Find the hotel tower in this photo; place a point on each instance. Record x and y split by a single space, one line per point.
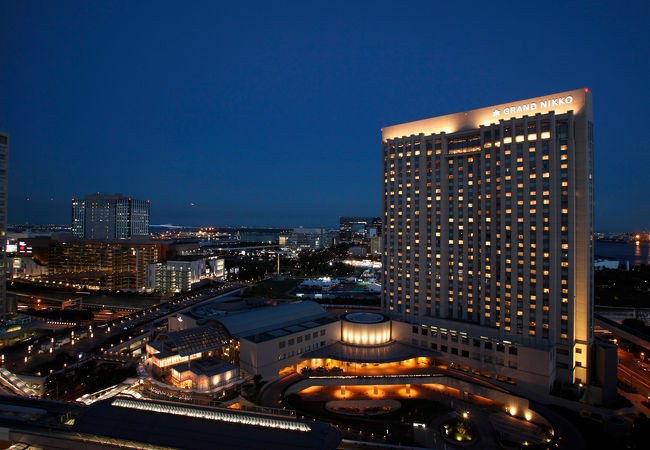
487 227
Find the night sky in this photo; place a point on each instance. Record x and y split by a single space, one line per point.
270 113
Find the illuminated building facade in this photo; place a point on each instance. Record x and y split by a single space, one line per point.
102 265
488 218
109 216
204 374
184 346
4 161
175 276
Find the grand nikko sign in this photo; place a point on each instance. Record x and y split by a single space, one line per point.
559 103
532 106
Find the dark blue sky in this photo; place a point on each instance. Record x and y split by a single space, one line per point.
269 113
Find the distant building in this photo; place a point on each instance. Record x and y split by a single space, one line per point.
358 250
359 229
600 264
111 265
4 161
109 216
179 275
307 239
375 245
174 276
26 267
216 268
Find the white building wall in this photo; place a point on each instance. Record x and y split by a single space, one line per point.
269 357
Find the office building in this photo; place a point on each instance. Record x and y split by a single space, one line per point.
307 239
110 265
359 229
175 276
109 216
488 217
4 167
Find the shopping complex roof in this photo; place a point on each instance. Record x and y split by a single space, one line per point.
271 318
191 341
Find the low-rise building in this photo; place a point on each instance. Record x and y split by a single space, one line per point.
170 349
272 340
204 374
179 275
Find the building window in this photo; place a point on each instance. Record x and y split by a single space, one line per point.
454 351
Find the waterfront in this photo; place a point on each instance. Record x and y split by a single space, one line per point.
623 252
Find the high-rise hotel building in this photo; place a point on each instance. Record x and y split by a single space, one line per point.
488 220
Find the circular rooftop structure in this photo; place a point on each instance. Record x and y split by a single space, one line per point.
365 317
366 329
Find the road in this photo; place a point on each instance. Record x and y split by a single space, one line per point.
632 372
132 325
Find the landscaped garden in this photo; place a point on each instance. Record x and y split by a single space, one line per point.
459 430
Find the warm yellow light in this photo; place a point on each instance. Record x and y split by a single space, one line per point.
528 415
513 411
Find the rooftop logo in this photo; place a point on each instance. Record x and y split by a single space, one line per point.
527 107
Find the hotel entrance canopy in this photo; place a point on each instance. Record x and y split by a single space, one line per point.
379 354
